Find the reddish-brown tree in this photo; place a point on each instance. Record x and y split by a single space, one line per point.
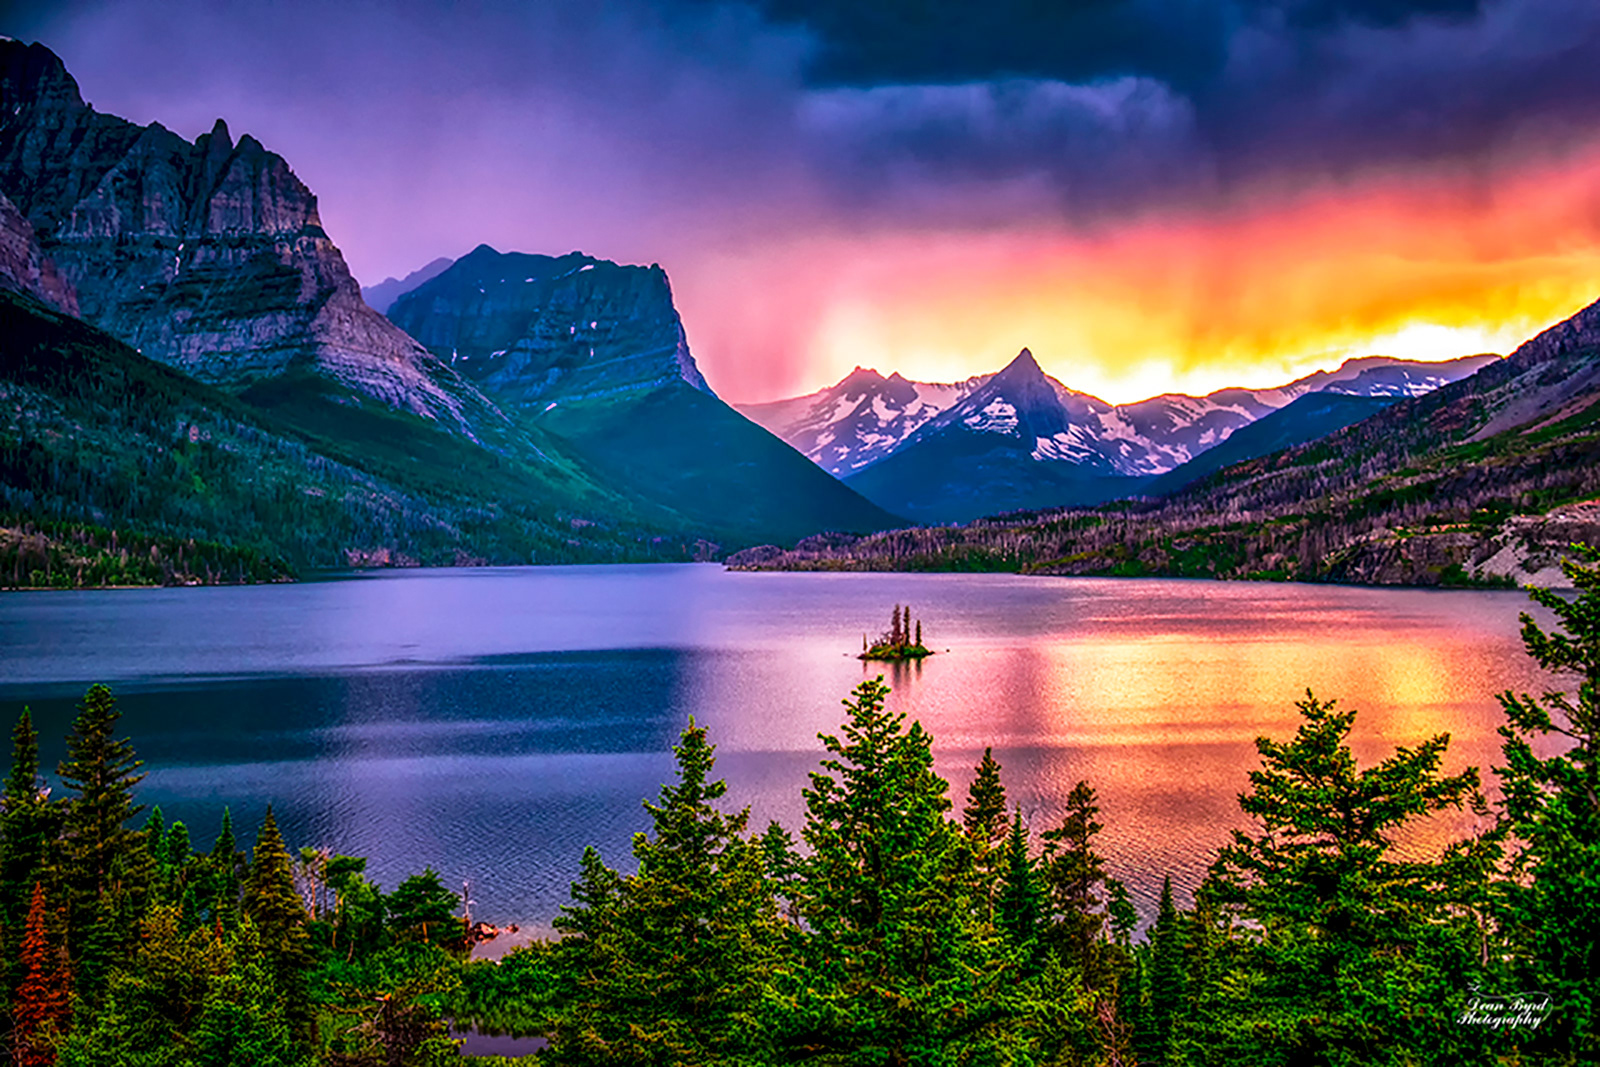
44 1000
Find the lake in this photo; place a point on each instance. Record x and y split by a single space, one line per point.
492 722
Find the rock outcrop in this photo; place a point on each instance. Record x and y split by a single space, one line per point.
209 256
533 330
25 268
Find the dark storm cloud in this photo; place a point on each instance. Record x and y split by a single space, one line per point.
621 125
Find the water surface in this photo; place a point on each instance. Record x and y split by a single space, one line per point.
491 723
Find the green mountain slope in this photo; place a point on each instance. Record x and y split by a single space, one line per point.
594 354
91 431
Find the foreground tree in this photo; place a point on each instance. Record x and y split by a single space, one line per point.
897 966
1349 954
669 965
1552 810
105 868
29 825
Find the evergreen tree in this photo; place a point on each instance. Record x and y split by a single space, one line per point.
1119 909
105 868
897 968
1020 905
1166 981
1345 948
220 891
984 818
919 633
29 823
44 999
422 909
278 918
1073 873
671 962
1551 808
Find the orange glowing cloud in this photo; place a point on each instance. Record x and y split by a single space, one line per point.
1253 292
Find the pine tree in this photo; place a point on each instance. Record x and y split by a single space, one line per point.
1551 808
919 633
672 961
1020 905
984 818
1073 873
44 1000
896 964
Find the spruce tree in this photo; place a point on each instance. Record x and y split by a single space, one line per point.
44 999
1020 905
984 818
897 965
104 869
278 917
221 891
673 960
1551 809
422 909
1166 980
1073 874
1348 947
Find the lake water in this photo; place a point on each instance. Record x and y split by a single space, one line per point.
491 723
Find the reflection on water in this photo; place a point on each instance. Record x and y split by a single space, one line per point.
492 723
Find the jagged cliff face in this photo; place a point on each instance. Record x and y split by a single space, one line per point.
535 330
209 256
25 268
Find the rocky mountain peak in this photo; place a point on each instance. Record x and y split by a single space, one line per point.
207 255
536 330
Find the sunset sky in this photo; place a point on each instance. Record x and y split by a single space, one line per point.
1153 195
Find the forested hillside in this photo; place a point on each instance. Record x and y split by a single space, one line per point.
93 433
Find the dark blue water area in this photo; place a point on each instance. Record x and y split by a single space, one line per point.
499 771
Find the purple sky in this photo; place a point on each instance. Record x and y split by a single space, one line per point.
790 164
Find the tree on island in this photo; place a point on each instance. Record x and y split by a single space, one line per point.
897 642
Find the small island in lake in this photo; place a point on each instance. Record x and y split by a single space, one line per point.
899 642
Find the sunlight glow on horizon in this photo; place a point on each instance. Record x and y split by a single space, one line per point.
1267 290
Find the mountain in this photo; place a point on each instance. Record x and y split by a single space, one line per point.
859 421
24 267
209 256
381 297
94 433
1484 480
1022 439
594 354
1307 418
1017 440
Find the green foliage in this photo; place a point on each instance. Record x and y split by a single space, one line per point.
668 966
1073 873
422 909
1349 954
1551 809
103 868
895 965
984 818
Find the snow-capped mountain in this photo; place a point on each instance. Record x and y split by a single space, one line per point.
866 417
1020 438
859 421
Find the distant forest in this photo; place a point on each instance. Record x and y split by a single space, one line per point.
894 930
